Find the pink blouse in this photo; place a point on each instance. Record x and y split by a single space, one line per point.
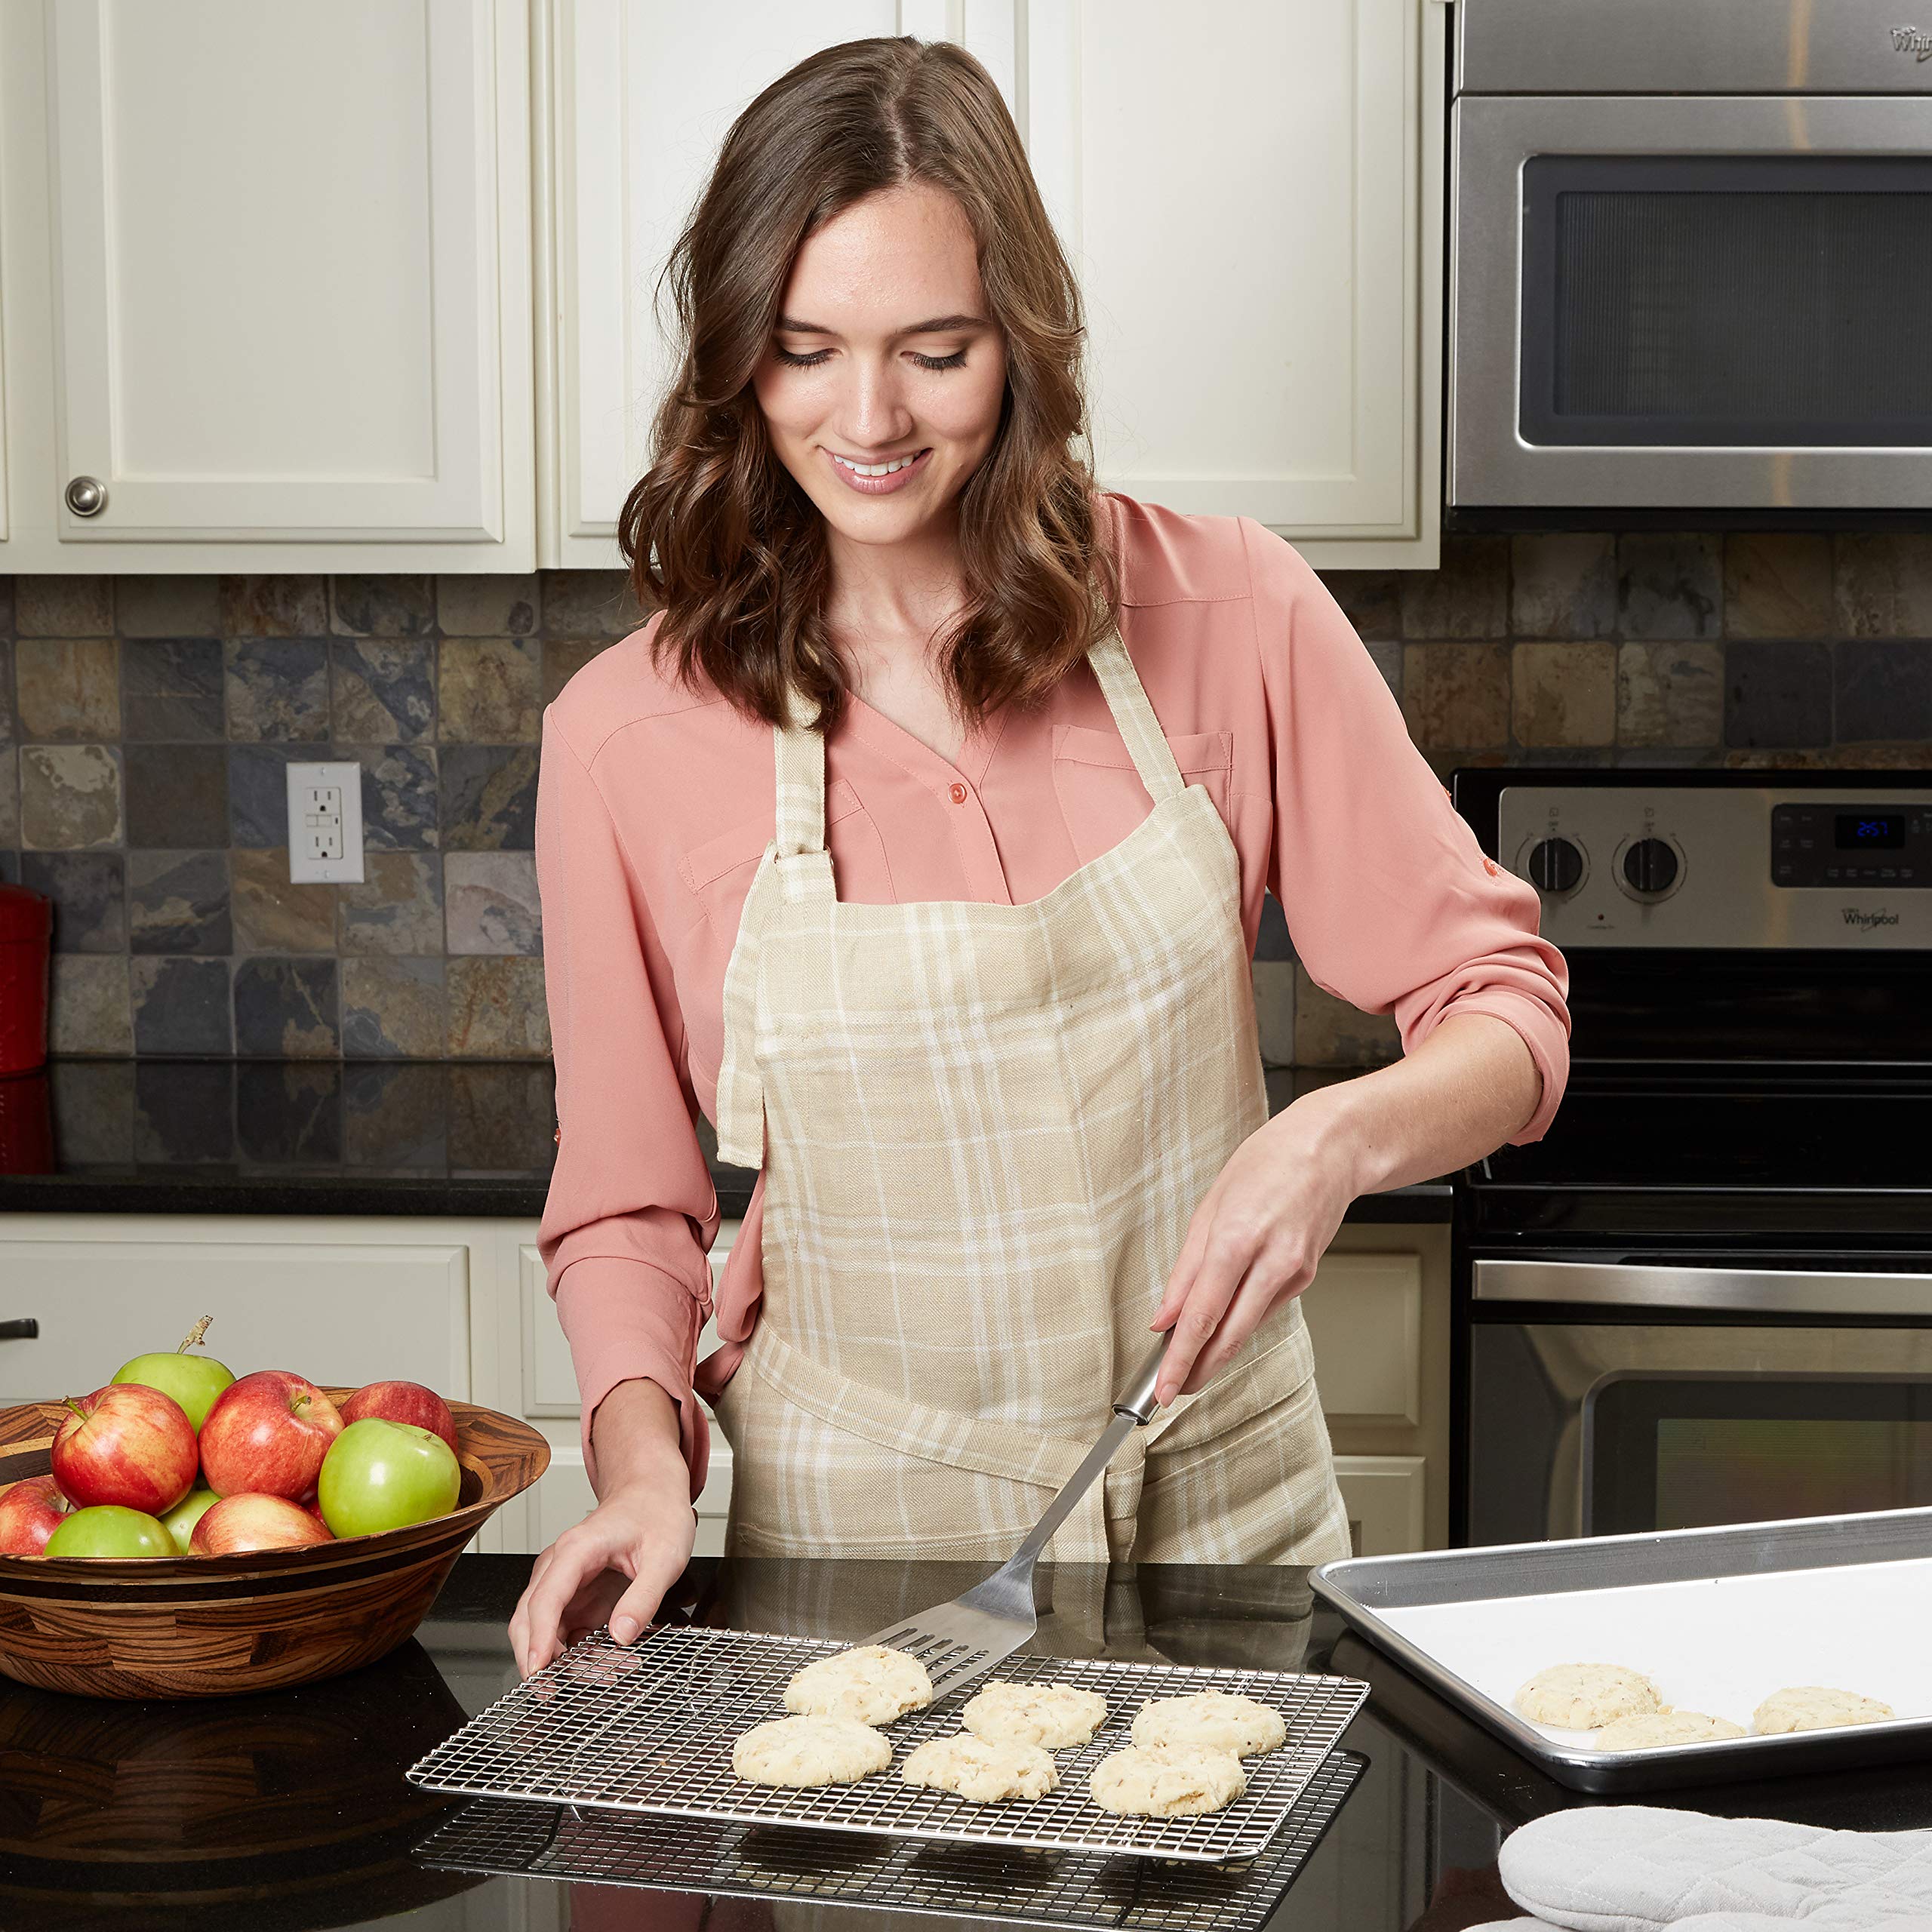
654 804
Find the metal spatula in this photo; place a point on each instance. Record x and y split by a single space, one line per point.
962 1640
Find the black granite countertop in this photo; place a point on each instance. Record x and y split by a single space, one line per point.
290 1811
260 1136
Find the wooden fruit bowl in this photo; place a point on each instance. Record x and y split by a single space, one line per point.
214 1626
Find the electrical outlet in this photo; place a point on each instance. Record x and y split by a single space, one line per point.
325 822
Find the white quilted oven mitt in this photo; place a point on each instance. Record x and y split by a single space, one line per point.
1633 1868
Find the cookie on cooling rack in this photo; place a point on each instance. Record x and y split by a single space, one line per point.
870 1683
1167 1780
1211 1719
985 1770
810 1751
1058 1716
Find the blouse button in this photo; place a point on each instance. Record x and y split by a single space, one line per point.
1489 866
959 795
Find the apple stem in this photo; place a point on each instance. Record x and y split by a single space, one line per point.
192 1339
297 1406
73 1403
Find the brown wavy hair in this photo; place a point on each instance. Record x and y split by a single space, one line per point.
719 533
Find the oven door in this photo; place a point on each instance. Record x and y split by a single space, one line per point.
1690 302
1644 1410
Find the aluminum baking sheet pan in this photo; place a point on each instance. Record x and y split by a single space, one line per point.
1718 1618
649 1727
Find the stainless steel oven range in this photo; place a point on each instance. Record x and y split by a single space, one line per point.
1705 1296
1691 260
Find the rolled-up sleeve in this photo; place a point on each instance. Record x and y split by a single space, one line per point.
632 1211
1391 902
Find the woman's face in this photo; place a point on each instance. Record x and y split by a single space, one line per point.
884 350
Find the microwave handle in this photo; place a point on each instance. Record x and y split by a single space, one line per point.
1738 1290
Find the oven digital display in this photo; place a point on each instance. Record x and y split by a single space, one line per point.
1878 832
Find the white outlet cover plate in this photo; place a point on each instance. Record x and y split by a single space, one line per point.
346 781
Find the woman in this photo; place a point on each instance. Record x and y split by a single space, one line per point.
920 840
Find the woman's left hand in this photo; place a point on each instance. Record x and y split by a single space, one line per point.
1255 1238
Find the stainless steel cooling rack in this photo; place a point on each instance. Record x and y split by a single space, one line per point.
649 1727
1018 1887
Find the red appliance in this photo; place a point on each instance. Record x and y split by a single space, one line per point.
27 927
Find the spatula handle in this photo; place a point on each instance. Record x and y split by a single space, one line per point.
1136 1399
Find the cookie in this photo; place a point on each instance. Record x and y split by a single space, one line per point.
1812 1707
1650 1728
810 1751
1167 1780
1057 1716
1212 1720
871 1684
1585 1696
985 1770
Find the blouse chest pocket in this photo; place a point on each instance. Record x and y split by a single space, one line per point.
1101 797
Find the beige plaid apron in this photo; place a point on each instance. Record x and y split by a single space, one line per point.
984 1129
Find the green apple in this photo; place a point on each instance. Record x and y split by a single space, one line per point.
181 1521
383 1475
193 1381
108 1530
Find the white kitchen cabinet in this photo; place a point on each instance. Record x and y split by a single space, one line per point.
1249 194
265 279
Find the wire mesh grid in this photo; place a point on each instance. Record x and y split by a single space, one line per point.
649 1727
1015 1884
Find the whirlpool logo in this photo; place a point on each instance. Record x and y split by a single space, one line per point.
1867 922
1910 40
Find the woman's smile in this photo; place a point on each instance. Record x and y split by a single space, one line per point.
878 480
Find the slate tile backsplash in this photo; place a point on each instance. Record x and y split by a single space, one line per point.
146 722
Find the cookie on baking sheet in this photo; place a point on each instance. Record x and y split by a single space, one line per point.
1057 1716
1646 1728
1813 1707
810 1751
1167 1780
1585 1696
985 1770
870 1683
1211 1719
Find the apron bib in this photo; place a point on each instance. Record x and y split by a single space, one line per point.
984 1129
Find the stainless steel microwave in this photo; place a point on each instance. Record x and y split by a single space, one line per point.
1690 257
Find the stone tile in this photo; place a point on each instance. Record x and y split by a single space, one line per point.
90 898
489 798
272 914
1387 659
167 606
564 658
400 805
171 690
10 727
181 1006
1330 1032
492 902
278 690
1777 694
1371 600
1456 694
1776 583
285 1009
6 605
258 792
1563 584
69 688
1670 694
384 693
397 908
486 606
88 1009
387 606
1271 939
184 1116
489 690
10 798
500 1117
178 797
1883 585
177 902
395 1118
1468 597
70 796
1830 758
63 606
289 1116
1274 1009
275 606
1669 584
393 1009
1883 691
93 1112
10 868
497 1009
589 604
1564 694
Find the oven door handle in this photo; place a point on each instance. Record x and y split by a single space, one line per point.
1744 1290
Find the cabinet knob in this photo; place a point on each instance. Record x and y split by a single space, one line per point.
25 1328
86 496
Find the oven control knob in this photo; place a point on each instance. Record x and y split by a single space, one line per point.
1555 865
1651 865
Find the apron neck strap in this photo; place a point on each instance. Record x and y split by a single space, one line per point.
800 751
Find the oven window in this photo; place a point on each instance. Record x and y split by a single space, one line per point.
1705 300
1670 1453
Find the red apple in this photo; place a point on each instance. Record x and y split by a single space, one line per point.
30 1512
127 1445
250 1521
403 1401
267 1434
